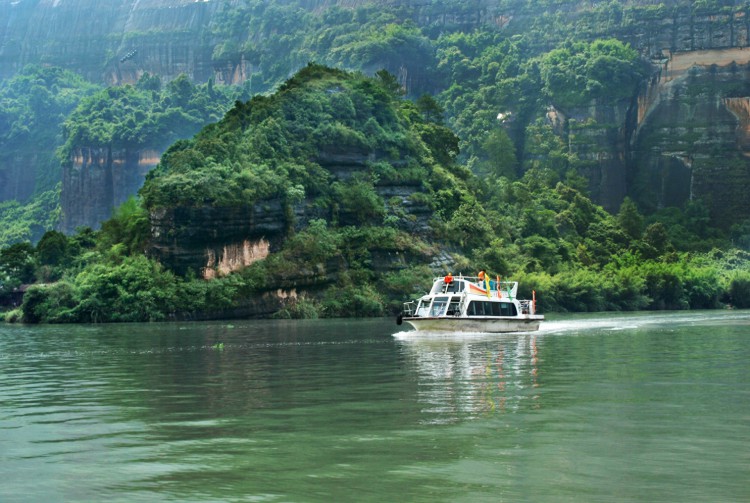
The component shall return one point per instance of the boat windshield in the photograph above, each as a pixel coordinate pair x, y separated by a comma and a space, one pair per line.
440, 286
422, 308
454, 308
438, 306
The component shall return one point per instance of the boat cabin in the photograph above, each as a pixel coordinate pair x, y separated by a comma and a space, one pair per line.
469, 296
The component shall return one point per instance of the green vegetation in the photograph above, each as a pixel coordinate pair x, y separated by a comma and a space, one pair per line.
147, 115
27, 222
272, 144
33, 105
50, 112
537, 228
503, 184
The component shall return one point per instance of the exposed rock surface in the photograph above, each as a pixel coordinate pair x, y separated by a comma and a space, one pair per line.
18, 179
205, 237
686, 136
693, 142
97, 180
116, 42
598, 135
113, 42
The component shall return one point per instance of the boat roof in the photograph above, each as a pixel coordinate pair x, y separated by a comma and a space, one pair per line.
474, 285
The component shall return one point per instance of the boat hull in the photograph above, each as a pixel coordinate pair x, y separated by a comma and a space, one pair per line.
474, 324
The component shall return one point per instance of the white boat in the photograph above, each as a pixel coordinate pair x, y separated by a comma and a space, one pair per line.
471, 304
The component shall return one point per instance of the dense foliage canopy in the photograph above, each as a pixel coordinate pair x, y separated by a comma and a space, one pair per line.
274, 145
33, 105
147, 115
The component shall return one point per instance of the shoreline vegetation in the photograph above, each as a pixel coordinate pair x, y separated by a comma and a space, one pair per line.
138, 289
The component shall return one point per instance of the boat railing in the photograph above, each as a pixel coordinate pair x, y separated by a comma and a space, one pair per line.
527, 306
409, 308
506, 288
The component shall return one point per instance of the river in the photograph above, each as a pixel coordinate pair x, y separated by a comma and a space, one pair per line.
608, 407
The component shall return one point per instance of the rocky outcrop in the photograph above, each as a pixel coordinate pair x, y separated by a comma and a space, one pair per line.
98, 180
685, 137
205, 239
234, 257
213, 241
692, 142
597, 135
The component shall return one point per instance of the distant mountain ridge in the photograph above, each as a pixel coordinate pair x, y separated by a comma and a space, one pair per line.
116, 42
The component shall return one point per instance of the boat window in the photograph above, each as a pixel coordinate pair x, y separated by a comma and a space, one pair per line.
489, 308
438, 306
422, 308
455, 287
508, 309
476, 308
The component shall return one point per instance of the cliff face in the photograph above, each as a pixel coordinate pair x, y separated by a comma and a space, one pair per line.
597, 135
649, 26
114, 42
18, 178
97, 180
692, 142
686, 137
211, 239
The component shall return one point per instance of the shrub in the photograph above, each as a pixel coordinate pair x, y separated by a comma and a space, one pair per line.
300, 309
51, 303
739, 290
14, 316
352, 302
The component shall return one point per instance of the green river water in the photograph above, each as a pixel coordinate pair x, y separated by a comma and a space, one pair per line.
643, 407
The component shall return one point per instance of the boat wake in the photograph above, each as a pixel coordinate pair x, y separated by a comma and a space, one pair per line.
601, 322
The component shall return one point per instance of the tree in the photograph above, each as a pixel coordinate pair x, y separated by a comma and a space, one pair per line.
390, 82
18, 262
501, 155
52, 248
430, 109
657, 237
630, 219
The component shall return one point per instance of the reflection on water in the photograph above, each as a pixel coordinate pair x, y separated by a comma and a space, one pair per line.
614, 407
465, 376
